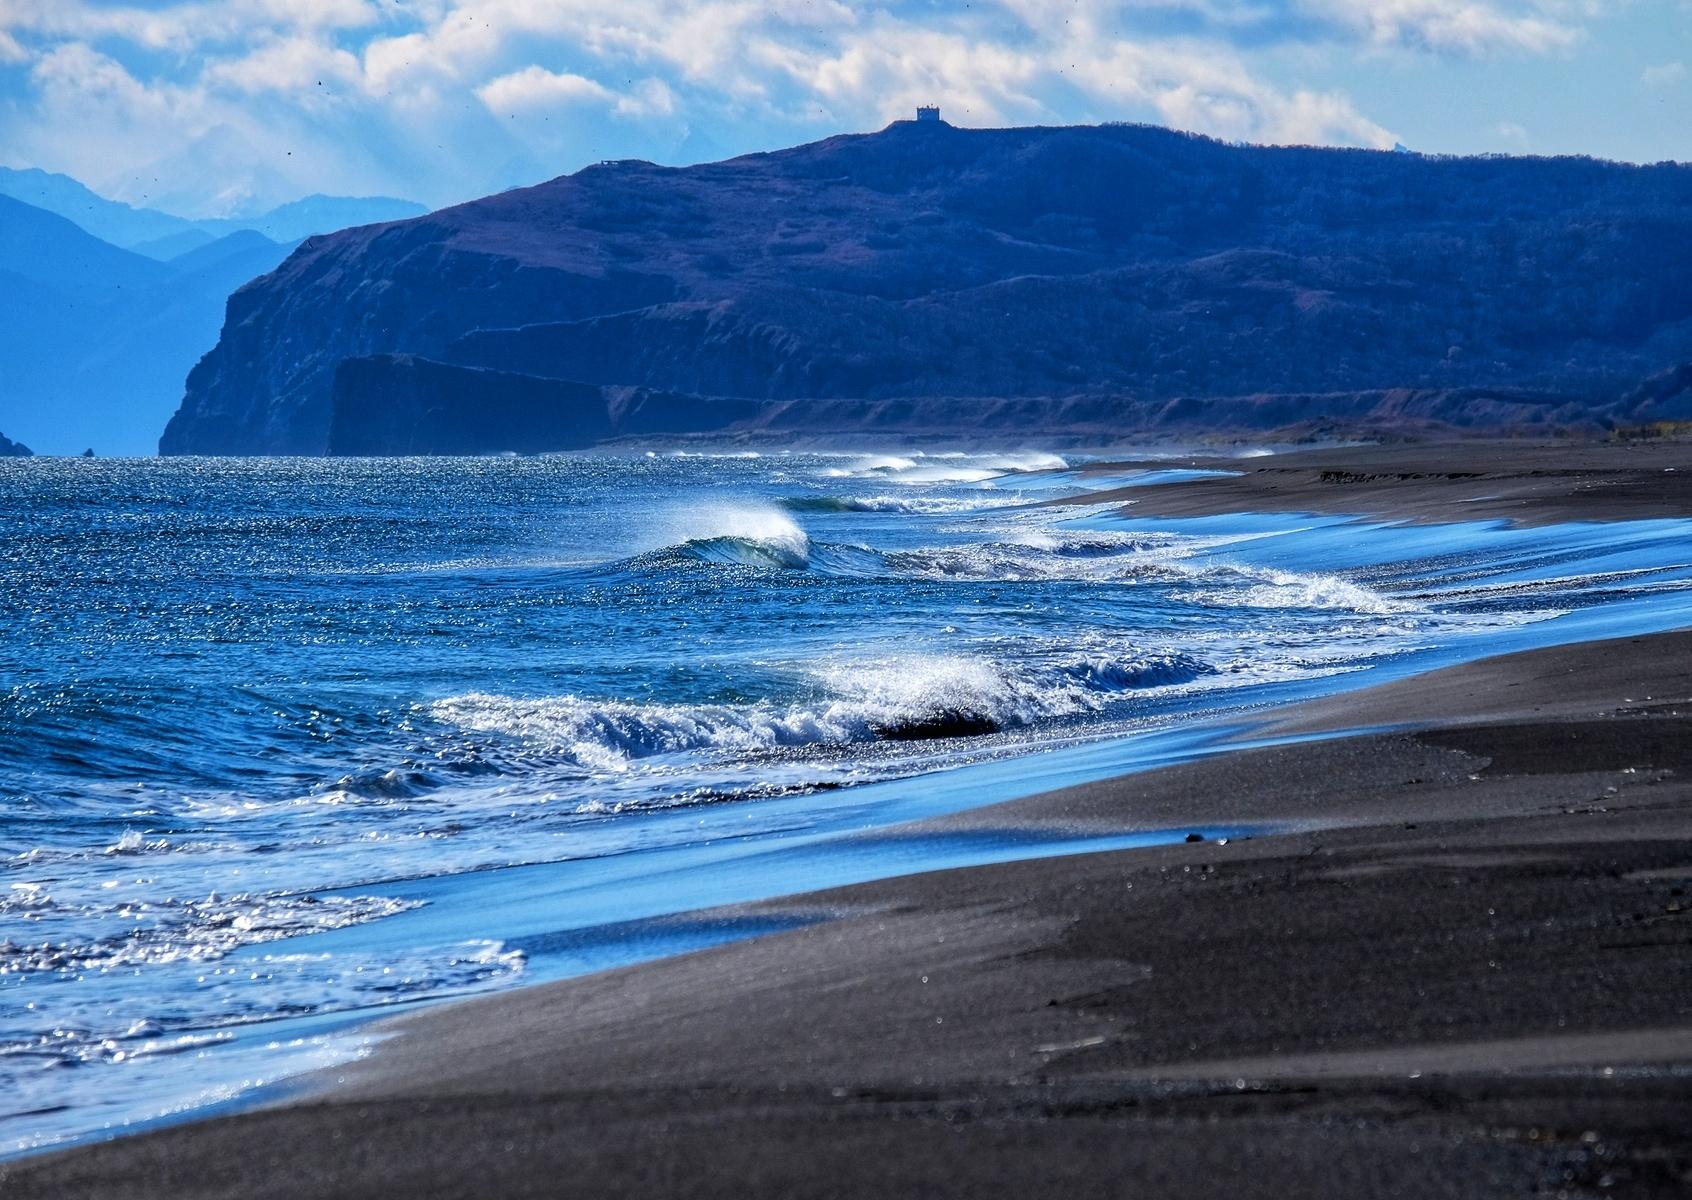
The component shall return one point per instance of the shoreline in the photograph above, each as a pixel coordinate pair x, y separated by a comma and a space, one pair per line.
1538, 482
1085, 1002
1478, 933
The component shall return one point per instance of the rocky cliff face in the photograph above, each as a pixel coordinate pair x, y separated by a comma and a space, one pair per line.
1112, 277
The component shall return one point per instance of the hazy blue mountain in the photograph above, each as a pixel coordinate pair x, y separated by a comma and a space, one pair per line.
95, 341
11, 449
110, 220
50, 249
105, 307
320, 214
243, 242
164, 236
933, 279
174, 245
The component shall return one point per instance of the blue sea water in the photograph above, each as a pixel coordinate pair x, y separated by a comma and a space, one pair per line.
285, 743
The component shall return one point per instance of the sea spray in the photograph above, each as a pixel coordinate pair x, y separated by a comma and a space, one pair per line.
751, 534
912, 696
267, 724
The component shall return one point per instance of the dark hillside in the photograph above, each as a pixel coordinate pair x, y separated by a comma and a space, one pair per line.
1128, 265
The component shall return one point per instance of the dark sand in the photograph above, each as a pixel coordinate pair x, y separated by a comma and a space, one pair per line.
1466, 972
1536, 482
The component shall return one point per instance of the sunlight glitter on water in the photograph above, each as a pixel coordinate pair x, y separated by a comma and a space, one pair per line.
265, 726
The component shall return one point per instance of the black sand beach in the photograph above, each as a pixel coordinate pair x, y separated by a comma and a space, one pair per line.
1462, 970
1528, 482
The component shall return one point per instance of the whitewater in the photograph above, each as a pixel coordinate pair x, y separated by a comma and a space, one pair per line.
285, 744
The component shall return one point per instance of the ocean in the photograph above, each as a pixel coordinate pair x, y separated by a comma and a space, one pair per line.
287, 744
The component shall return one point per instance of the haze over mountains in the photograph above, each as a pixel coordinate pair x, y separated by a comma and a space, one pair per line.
930, 280
164, 235
105, 307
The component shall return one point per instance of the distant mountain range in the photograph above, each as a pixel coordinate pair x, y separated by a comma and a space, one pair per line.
1014, 284
96, 339
164, 236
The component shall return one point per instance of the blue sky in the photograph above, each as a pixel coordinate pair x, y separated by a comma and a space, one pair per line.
214, 107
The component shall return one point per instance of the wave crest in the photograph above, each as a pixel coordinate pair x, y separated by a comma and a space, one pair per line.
918, 467
917, 697
750, 535
1293, 590
768, 539
912, 505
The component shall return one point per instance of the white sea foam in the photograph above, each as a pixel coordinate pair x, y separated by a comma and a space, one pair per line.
1633, 580
133, 842
174, 930
769, 538
1038, 556
914, 696
254, 988
1032, 460
885, 463
915, 505
749, 534
919, 468
1062, 623
937, 473
1288, 589
749, 522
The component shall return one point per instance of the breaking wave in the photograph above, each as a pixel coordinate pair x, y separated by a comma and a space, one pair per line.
749, 552
914, 505
920, 697
769, 539
919, 468
1256, 587
732, 535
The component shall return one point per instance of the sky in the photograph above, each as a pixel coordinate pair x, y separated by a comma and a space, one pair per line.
225, 107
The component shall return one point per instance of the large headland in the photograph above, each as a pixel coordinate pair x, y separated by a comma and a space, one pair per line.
1083, 285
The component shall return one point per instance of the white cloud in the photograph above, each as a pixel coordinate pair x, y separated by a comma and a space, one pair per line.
1667, 75
881, 69
302, 64
454, 52
440, 99
1453, 26
184, 25
1460, 27
876, 74
1513, 132
75, 74
535, 88
1212, 92
649, 98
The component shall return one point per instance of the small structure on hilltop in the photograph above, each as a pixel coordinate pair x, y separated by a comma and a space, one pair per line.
928, 112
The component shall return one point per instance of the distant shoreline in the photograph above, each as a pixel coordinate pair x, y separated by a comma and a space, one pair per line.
1460, 972
1532, 481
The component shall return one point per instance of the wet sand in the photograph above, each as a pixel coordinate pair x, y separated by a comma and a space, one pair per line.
1464, 973
1462, 968
1530, 482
